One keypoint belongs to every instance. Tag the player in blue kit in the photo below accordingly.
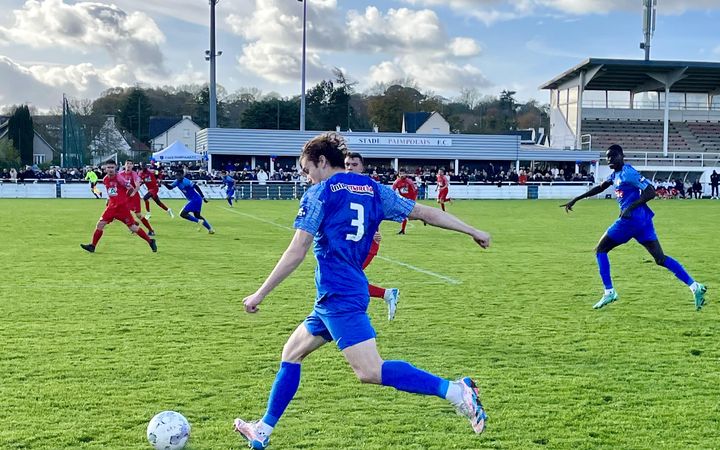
(195, 198)
(633, 192)
(340, 214)
(229, 183)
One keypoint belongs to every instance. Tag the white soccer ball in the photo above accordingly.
(168, 430)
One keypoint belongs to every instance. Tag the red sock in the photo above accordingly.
(147, 205)
(147, 224)
(404, 224)
(96, 237)
(140, 232)
(376, 291)
(442, 205)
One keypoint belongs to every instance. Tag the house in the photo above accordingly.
(166, 130)
(42, 151)
(108, 141)
(425, 123)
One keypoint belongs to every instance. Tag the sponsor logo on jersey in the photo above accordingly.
(362, 189)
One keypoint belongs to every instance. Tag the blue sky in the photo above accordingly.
(48, 47)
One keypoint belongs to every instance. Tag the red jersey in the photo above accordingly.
(406, 188)
(117, 188)
(150, 180)
(132, 178)
(442, 181)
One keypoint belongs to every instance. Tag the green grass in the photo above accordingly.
(92, 346)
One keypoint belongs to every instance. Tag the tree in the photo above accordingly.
(135, 114)
(9, 156)
(20, 131)
(386, 111)
(272, 114)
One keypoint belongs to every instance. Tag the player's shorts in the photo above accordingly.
(442, 195)
(121, 213)
(194, 205)
(230, 193)
(625, 229)
(346, 329)
(151, 194)
(134, 203)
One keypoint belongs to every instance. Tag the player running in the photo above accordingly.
(229, 184)
(354, 163)
(134, 196)
(117, 188)
(340, 214)
(406, 188)
(443, 189)
(149, 179)
(633, 192)
(195, 198)
(92, 177)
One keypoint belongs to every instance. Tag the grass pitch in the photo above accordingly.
(93, 345)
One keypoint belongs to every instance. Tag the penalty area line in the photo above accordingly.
(391, 261)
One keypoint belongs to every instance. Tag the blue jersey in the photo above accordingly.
(343, 213)
(229, 182)
(628, 184)
(188, 189)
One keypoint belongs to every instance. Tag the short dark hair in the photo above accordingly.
(129, 160)
(111, 161)
(354, 155)
(616, 148)
(331, 145)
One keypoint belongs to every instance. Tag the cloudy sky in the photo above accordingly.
(48, 47)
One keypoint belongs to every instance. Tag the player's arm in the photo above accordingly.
(289, 261)
(592, 192)
(646, 195)
(441, 219)
(197, 189)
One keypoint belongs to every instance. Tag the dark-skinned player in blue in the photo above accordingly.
(195, 198)
(633, 192)
(229, 184)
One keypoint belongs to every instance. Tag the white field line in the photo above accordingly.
(392, 261)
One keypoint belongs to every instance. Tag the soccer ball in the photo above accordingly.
(168, 430)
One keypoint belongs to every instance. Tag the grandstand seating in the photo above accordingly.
(708, 133)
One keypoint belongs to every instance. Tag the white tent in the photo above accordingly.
(176, 152)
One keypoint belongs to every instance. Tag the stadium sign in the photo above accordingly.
(399, 141)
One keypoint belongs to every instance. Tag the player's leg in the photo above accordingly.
(135, 229)
(661, 259)
(287, 380)
(146, 199)
(403, 226)
(229, 198)
(185, 213)
(403, 376)
(97, 234)
(145, 222)
(162, 205)
(205, 223)
(94, 190)
(604, 247)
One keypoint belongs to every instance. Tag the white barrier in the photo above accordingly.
(28, 190)
(560, 192)
(73, 190)
(484, 192)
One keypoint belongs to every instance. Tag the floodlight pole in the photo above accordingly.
(302, 88)
(212, 55)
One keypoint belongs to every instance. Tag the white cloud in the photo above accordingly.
(464, 47)
(126, 38)
(443, 76)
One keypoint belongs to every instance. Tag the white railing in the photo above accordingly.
(625, 104)
(684, 159)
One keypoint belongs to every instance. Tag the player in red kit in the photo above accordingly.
(117, 188)
(134, 196)
(149, 179)
(443, 188)
(354, 163)
(406, 188)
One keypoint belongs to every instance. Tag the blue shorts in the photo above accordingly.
(346, 329)
(194, 205)
(625, 229)
(230, 193)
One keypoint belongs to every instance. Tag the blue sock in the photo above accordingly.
(192, 219)
(406, 377)
(229, 201)
(675, 267)
(284, 388)
(604, 266)
(206, 224)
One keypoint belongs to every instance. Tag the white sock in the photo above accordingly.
(609, 291)
(264, 428)
(694, 286)
(454, 393)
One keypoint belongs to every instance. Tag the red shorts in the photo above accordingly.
(443, 194)
(121, 213)
(134, 203)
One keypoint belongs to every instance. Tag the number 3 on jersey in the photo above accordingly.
(358, 223)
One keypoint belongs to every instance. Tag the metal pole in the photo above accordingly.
(213, 94)
(304, 42)
(666, 119)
